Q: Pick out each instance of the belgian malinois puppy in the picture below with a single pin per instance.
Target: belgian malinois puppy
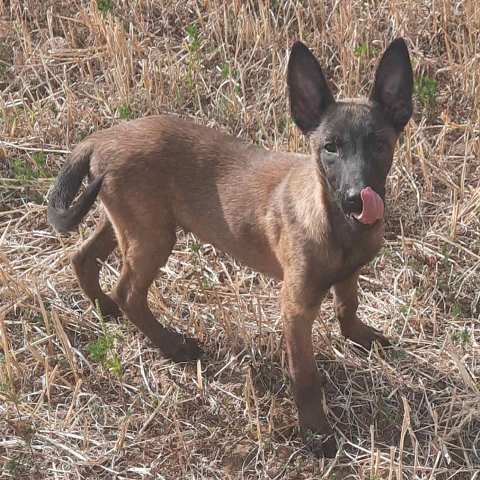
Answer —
(309, 220)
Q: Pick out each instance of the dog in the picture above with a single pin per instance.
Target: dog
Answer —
(310, 220)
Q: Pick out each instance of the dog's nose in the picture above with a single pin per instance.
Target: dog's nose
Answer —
(352, 202)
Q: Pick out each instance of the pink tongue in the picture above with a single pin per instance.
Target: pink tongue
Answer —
(372, 208)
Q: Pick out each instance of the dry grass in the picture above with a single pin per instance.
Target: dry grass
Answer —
(80, 399)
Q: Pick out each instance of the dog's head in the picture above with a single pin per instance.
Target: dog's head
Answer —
(353, 140)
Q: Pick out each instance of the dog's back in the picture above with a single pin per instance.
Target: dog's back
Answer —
(169, 170)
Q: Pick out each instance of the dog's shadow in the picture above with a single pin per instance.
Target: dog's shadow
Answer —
(399, 400)
(408, 407)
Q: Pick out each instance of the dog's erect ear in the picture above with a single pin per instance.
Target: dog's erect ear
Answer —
(308, 89)
(394, 84)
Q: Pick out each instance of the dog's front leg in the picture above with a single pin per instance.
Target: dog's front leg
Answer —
(346, 304)
(298, 315)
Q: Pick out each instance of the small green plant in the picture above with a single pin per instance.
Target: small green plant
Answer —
(40, 160)
(102, 350)
(3, 69)
(228, 73)
(415, 264)
(105, 6)
(426, 89)
(125, 112)
(114, 364)
(195, 247)
(397, 354)
(26, 171)
(193, 38)
(19, 466)
(20, 169)
(457, 310)
(445, 251)
(365, 50)
(284, 124)
(205, 282)
(462, 337)
(13, 467)
(193, 47)
(38, 320)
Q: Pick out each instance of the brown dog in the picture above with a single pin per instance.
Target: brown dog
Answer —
(311, 221)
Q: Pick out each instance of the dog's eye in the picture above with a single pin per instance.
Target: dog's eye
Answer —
(330, 147)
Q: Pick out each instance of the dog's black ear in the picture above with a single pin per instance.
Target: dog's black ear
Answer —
(394, 84)
(308, 89)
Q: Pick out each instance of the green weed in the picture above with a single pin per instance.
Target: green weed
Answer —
(102, 350)
(193, 47)
(20, 466)
(462, 337)
(114, 365)
(365, 50)
(274, 5)
(125, 112)
(426, 89)
(228, 73)
(26, 171)
(193, 38)
(4, 387)
(105, 6)
(14, 467)
(445, 251)
(195, 247)
(457, 310)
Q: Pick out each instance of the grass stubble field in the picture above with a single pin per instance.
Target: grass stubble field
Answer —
(82, 399)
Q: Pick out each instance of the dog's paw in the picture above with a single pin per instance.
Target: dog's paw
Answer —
(321, 445)
(366, 336)
(109, 309)
(185, 350)
(315, 430)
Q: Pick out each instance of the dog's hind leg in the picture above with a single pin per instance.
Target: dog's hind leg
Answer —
(346, 304)
(144, 253)
(87, 266)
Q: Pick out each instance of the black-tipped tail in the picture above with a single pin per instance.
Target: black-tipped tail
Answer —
(61, 214)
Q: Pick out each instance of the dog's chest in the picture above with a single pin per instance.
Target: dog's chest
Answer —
(362, 248)
(359, 254)
(345, 258)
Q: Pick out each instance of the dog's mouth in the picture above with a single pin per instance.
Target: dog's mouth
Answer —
(372, 207)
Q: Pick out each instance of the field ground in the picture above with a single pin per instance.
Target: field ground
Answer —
(84, 399)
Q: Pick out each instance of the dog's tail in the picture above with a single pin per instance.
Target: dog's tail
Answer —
(61, 215)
